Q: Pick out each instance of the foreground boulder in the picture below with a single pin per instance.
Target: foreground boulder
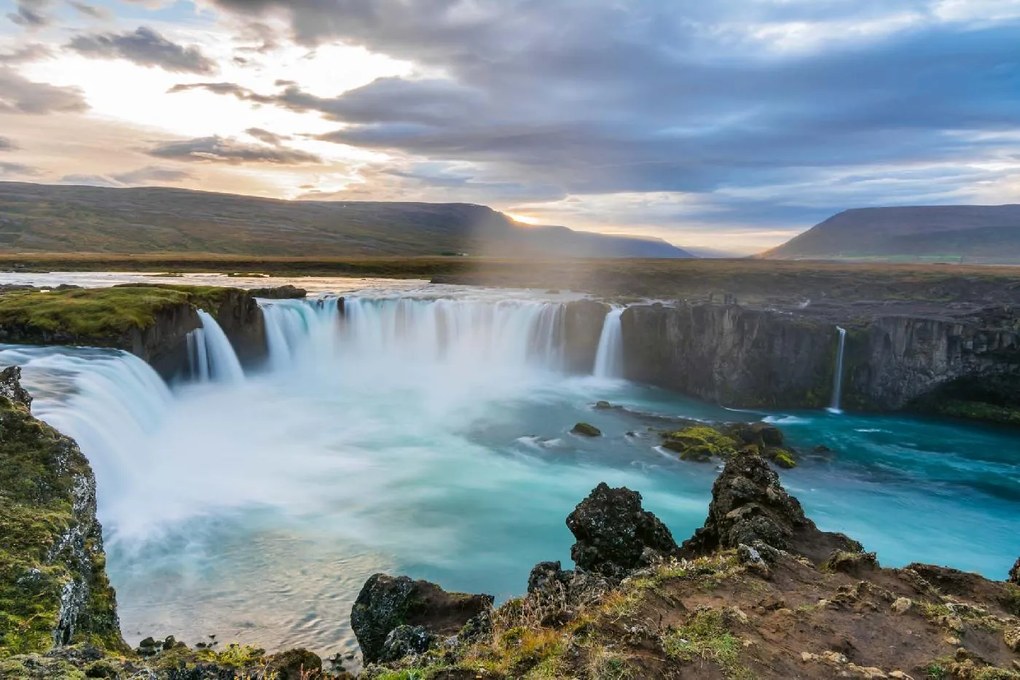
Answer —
(615, 535)
(750, 507)
(421, 609)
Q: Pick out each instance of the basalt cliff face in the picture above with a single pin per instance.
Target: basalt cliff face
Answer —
(745, 357)
(730, 354)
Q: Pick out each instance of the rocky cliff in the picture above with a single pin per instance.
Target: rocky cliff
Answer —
(744, 357)
(53, 585)
(730, 354)
(151, 322)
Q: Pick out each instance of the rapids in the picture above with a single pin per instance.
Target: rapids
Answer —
(430, 436)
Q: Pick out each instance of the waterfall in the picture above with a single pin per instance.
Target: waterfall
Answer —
(457, 333)
(299, 328)
(609, 357)
(837, 381)
(211, 357)
(109, 401)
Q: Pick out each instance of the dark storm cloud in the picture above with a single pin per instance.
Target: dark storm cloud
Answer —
(145, 47)
(223, 150)
(652, 96)
(7, 144)
(20, 95)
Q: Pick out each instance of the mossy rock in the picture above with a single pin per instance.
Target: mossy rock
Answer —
(781, 457)
(700, 443)
(586, 430)
(53, 584)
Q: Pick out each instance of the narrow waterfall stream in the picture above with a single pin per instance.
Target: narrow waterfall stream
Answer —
(837, 378)
(432, 437)
(609, 357)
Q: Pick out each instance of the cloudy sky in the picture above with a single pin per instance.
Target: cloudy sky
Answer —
(728, 124)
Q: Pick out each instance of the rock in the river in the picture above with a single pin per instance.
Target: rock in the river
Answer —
(699, 443)
(386, 602)
(1014, 574)
(615, 535)
(749, 506)
(293, 664)
(586, 430)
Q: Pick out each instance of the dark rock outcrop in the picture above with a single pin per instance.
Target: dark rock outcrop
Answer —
(241, 319)
(386, 603)
(1014, 574)
(53, 585)
(750, 507)
(615, 535)
(582, 328)
(284, 292)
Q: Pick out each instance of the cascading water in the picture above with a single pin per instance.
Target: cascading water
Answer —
(211, 357)
(609, 357)
(837, 380)
(430, 437)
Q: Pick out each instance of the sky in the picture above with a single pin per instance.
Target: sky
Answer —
(729, 125)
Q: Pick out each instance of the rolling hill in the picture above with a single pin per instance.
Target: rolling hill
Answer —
(81, 219)
(951, 233)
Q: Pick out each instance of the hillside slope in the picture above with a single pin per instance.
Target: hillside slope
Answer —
(971, 233)
(69, 219)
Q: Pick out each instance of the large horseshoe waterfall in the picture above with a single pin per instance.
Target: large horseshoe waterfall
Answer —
(432, 436)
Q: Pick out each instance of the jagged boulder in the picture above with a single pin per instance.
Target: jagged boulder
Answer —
(1014, 573)
(386, 603)
(615, 535)
(750, 506)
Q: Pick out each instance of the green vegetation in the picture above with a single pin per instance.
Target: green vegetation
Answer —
(975, 410)
(46, 546)
(98, 314)
(705, 636)
(700, 443)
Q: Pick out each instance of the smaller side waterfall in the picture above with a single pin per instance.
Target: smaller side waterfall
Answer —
(211, 357)
(837, 380)
(609, 357)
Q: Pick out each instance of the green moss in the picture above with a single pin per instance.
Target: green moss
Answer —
(784, 460)
(700, 443)
(39, 472)
(97, 315)
(976, 410)
(705, 636)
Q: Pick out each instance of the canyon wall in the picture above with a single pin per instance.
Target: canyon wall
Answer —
(743, 357)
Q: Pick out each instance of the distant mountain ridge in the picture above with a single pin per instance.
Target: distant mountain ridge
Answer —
(972, 233)
(84, 219)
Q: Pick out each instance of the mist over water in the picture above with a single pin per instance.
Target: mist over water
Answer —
(431, 437)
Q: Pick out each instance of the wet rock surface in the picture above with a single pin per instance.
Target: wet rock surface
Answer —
(615, 535)
(387, 602)
(284, 292)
